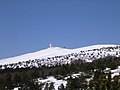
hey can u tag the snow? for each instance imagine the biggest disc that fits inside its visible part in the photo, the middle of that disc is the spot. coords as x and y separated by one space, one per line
94 47
115 72
56 82
49 52
16 88
76 75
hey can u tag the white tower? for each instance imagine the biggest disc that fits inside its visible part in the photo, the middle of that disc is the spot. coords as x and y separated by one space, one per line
50 45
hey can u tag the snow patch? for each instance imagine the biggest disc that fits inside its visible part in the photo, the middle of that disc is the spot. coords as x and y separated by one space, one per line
53 80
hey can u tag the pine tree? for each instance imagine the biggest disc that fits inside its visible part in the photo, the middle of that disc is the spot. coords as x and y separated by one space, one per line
42 74
8 82
51 86
46 86
61 87
35 74
109 81
17 79
116 83
2 84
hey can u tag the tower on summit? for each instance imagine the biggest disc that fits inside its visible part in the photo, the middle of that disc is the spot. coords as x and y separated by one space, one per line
50 45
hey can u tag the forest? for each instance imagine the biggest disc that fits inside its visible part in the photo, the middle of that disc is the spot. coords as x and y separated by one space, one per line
94 76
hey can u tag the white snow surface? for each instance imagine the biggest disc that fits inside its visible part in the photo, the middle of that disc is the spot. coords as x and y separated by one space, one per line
16 88
53 80
49 52
115 72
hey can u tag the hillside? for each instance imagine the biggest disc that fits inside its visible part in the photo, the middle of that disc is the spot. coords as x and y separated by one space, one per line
94 67
58 56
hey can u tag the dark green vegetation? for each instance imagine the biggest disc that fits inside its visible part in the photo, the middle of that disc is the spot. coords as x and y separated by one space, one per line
93 76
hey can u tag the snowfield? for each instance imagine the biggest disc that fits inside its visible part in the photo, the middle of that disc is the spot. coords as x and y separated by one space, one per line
53 80
115 72
56 55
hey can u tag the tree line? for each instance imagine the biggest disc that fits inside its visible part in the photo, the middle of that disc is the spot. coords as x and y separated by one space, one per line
25 78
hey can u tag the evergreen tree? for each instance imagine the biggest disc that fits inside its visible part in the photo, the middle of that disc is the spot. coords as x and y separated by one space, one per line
8 82
17 79
73 84
35 74
42 74
24 79
2 84
61 87
51 87
46 86
103 82
116 83
109 81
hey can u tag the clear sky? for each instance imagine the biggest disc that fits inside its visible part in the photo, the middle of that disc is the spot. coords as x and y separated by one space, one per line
31 25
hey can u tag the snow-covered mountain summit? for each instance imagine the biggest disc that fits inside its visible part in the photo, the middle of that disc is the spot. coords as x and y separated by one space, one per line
49 52
56 55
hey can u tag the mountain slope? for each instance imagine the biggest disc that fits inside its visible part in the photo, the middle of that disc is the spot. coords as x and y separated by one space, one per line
55 55
49 52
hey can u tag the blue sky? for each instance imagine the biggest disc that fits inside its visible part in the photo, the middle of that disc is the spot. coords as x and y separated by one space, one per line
30 25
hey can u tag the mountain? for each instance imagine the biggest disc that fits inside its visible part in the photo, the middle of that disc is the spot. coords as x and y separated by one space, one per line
93 67
58 56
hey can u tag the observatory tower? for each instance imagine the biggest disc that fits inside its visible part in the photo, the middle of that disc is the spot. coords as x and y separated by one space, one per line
50 45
